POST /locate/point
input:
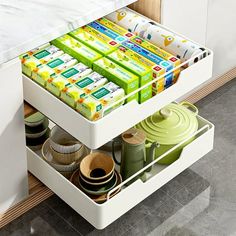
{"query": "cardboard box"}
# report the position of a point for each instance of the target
(124, 59)
(38, 56)
(99, 103)
(44, 72)
(95, 40)
(77, 49)
(118, 75)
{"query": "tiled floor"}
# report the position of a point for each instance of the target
(190, 205)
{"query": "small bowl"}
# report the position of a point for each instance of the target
(96, 183)
(35, 119)
(63, 142)
(97, 166)
(37, 131)
(67, 158)
(47, 156)
(98, 190)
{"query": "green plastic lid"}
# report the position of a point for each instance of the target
(171, 125)
(35, 118)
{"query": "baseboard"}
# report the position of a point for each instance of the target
(212, 86)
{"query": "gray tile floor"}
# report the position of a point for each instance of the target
(185, 206)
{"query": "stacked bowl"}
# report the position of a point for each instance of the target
(97, 176)
(63, 152)
(37, 131)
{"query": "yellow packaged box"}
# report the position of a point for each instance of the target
(44, 72)
(95, 40)
(84, 86)
(119, 75)
(99, 103)
(69, 76)
(77, 49)
(39, 56)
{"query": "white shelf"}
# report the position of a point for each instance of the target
(101, 215)
(95, 134)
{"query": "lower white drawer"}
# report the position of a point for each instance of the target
(101, 215)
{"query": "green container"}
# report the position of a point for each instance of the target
(170, 126)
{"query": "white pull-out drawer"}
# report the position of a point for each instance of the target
(101, 215)
(95, 134)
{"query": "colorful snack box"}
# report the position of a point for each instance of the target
(98, 104)
(69, 76)
(94, 39)
(158, 87)
(136, 67)
(119, 75)
(108, 32)
(84, 86)
(162, 66)
(77, 49)
(118, 29)
(39, 56)
(159, 52)
(42, 73)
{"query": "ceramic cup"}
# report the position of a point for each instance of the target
(97, 166)
(67, 158)
(62, 142)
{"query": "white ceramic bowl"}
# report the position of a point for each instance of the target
(47, 156)
(63, 142)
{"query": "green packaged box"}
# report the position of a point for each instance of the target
(95, 40)
(69, 76)
(136, 67)
(38, 56)
(77, 49)
(46, 71)
(73, 93)
(99, 103)
(118, 75)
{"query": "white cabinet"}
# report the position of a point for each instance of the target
(13, 174)
(95, 134)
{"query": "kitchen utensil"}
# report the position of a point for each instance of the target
(96, 183)
(96, 198)
(98, 190)
(63, 142)
(37, 131)
(35, 119)
(169, 126)
(47, 156)
(36, 143)
(133, 154)
(67, 158)
(97, 166)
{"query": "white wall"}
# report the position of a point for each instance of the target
(209, 22)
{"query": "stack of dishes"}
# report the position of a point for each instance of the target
(97, 176)
(63, 152)
(37, 131)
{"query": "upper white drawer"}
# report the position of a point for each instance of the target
(95, 134)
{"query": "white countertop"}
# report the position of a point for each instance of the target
(25, 24)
